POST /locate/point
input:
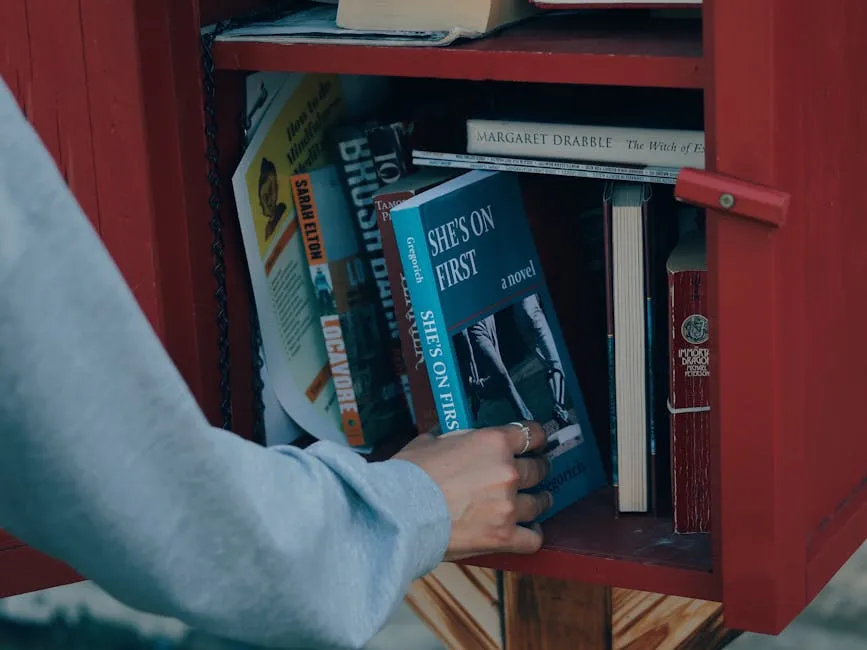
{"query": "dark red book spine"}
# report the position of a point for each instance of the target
(421, 395)
(689, 400)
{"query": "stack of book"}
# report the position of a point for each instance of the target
(398, 293)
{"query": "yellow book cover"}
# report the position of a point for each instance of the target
(288, 139)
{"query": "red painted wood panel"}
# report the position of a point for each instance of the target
(831, 130)
(50, 89)
(56, 105)
(827, 128)
(758, 383)
(230, 111)
(173, 82)
(120, 146)
(15, 47)
(174, 212)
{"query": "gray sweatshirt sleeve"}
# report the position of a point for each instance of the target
(107, 463)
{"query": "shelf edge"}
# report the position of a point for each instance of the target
(466, 64)
(668, 580)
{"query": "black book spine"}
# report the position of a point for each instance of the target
(392, 155)
(355, 163)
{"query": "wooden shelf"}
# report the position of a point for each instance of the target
(563, 49)
(586, 542)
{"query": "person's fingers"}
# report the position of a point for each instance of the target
(525, 540)
(518, 439)
(530, 506)
(531, 470)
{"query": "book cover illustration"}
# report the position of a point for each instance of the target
(369, 394)
(494, 349)
(421, 395)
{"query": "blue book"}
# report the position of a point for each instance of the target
(494, 349)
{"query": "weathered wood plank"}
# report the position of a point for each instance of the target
(460, 605)
(645, 621)
(548, 614)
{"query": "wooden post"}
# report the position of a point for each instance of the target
(549, 614)
(466, 611)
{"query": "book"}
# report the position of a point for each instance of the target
(370, 398)
(421, 395)
(360, 181)
(630, 334)
(492, 341)
(637, 173)
(298, 371)
(265, 103)
(470, 17)
(635, 145)
(318, 25)
(392, 155)
(689, 378)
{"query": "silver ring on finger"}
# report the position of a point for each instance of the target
(527, 436)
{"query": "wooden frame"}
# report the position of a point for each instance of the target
(784, 105)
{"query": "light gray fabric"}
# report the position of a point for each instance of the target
(107, 463)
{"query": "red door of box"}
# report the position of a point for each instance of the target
(786, 95)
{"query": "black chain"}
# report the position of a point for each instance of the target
(217, 244)
(216, 223)
(258, 433)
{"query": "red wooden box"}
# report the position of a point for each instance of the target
(785, 100)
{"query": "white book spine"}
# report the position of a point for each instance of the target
(605, 144)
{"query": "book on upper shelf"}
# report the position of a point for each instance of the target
(370, 398)
(468, 17)
(318, 25)
(492, 340)
(569, 131)
(689, 377)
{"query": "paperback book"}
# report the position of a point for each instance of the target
(492, 341)
(689, 378)
(421, 396)
(369, 395)
(286, 136)
(358, 171)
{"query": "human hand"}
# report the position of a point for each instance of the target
(480, 476)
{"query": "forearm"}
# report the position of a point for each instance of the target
(108, 464)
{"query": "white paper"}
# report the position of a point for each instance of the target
(319, 25)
